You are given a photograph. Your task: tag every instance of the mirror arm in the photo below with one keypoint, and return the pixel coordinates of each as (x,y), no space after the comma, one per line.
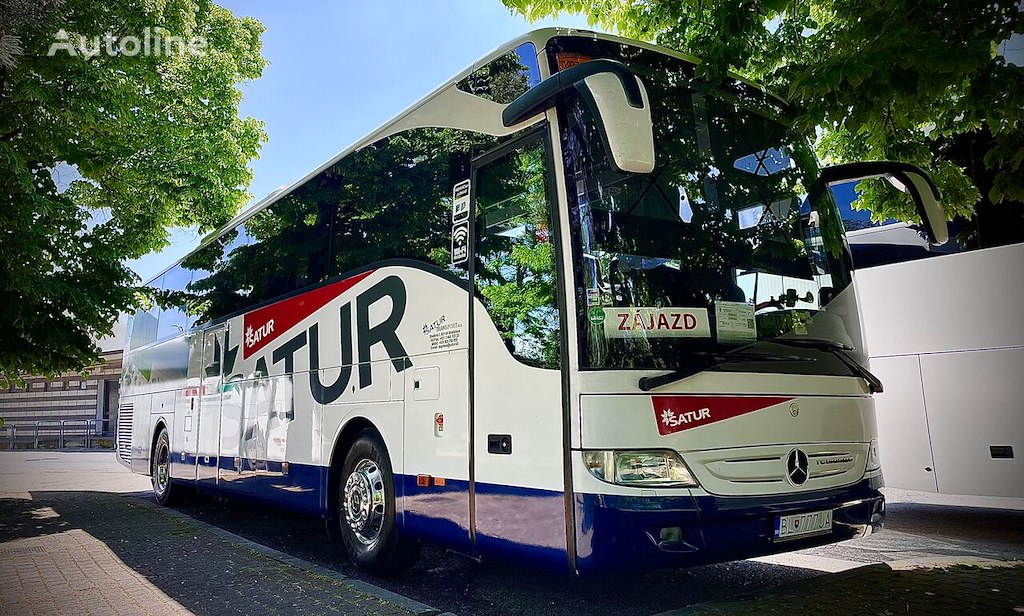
(850,172)
(538,98)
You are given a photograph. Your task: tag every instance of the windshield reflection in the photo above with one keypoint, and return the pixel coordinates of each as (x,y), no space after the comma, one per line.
(718,248)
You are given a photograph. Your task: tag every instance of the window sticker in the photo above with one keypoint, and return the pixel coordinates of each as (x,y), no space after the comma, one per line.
(657,322)
(460,242)
(734,322)
(460,202)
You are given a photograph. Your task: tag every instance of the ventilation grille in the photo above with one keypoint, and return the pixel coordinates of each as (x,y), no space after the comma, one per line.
(753,471)
(125,413)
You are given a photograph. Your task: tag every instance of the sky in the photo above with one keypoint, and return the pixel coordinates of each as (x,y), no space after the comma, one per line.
(339,69)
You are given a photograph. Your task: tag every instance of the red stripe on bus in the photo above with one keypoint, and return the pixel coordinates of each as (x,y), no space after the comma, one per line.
(261,327)
(678,413)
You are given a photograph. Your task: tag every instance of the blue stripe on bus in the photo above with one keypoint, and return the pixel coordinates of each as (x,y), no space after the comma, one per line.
(527,525)
(513,523)
(300,489)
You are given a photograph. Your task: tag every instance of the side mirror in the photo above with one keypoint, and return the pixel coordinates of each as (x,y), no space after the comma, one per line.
(908,178)
(618,100)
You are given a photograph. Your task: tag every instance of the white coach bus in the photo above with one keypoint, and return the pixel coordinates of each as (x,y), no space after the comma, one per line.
(575,308)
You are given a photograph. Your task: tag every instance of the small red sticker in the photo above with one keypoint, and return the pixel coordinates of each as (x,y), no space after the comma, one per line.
(678,413)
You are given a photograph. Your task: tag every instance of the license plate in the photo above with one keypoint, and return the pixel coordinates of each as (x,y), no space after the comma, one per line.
(802,524)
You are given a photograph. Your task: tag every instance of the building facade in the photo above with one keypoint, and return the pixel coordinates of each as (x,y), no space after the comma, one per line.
(72,410)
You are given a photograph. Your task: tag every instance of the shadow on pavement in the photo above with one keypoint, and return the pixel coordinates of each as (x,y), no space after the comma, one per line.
(454,583)
(991,526)
(203,572)
(876,589)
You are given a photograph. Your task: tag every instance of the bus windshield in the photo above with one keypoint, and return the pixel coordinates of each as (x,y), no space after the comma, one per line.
(718,249)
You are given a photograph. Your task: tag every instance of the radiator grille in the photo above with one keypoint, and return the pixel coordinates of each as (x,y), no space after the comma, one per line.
(125,413)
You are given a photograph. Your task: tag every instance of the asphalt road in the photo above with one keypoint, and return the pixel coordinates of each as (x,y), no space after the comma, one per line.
(916,530)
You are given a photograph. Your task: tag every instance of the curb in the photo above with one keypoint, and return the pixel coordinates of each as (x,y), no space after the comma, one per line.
(950,561)
(411,605)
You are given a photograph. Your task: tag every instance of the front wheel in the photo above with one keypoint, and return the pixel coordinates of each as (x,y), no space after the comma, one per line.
(164,491)
(367,509)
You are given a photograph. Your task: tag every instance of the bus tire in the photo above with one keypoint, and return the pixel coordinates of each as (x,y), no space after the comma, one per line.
(366,509)
(165,492)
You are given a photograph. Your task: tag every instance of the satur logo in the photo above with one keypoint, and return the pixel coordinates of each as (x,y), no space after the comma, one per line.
(671,419)
(254,335)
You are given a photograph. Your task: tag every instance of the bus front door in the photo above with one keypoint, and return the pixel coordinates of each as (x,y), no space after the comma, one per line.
(518,485)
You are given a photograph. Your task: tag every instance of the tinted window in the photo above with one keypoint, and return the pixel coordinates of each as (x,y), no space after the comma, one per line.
(291,241)
(173,317)
(393,198)
(515,268)
(143,326)
(221,282)
(503,80)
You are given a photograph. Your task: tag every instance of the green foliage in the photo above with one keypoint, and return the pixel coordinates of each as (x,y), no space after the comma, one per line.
(157,141)
(881,79)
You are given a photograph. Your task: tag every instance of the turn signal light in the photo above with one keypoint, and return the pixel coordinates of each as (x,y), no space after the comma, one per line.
(565,59)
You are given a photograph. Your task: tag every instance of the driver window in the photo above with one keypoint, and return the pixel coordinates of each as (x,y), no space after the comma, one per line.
(515,258)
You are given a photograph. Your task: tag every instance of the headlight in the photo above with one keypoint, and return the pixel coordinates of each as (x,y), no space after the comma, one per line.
(653,468)
(874,462)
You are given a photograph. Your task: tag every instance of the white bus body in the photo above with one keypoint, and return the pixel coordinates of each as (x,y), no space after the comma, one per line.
(946,336)
(316,359)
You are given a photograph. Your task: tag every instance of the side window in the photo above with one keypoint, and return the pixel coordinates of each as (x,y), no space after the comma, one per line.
(505,78)
(290,243)
(142,327)
(515,254)
(393,198)
(173,318)
(221,281)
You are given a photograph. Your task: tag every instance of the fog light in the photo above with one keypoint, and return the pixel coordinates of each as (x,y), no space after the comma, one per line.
(672,534)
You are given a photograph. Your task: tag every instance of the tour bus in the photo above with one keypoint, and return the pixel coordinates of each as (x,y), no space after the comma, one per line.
(936,364)
(576,308)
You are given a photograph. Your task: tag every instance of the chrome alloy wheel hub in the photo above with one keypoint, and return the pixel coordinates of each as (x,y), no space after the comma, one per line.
(364,501)
(162,470)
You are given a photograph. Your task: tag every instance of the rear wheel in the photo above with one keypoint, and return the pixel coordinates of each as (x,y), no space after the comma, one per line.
(164,491)
(366,502)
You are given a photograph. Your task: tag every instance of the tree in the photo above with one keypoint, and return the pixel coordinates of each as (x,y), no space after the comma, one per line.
(142,100)
(913,80)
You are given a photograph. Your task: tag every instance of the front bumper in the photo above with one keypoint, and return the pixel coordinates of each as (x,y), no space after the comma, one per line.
(619,532)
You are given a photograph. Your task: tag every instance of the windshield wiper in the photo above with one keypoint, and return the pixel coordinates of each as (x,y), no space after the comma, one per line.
(839,350)
(709,360)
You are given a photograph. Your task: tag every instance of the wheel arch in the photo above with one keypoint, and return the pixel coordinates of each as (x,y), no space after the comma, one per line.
(346,436)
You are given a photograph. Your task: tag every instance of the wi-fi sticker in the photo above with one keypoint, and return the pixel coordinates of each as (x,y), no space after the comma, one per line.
(460,242)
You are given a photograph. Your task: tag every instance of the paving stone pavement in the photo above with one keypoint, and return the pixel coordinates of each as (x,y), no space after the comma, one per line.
(92,553)
(74,573)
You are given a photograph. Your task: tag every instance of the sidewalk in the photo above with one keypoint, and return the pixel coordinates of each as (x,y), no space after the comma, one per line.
(879,589)
(93,553)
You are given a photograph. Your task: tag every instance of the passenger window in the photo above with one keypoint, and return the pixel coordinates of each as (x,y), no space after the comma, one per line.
(515,255)
(221,283)
(173,319)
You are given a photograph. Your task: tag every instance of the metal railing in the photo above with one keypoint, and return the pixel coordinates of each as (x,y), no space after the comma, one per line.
(62,433)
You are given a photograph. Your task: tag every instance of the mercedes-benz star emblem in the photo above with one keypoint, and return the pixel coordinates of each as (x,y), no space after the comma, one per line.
(796,467)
